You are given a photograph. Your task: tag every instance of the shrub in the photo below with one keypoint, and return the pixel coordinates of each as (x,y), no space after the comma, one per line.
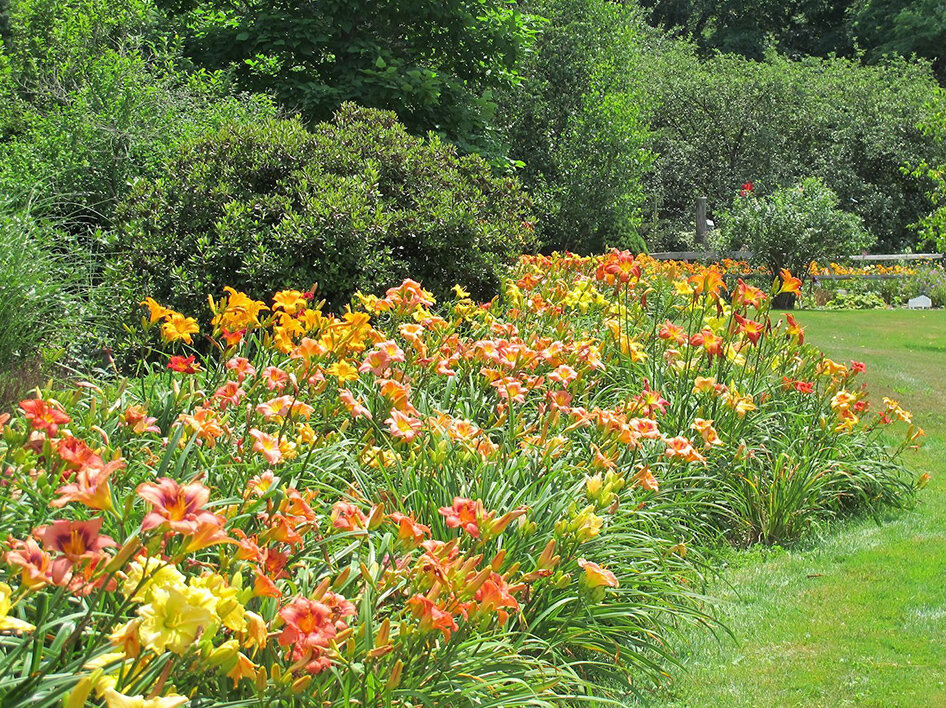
(793,226)
(856,301)
(577,124)
(354,204)
(724,120)
(930,281)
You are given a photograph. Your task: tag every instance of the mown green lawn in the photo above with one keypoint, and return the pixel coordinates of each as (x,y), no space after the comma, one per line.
(858,616)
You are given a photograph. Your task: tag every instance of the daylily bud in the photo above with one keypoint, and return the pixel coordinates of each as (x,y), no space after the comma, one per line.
(301,683)
(341,578)
(225,655)
(395,678)
(376,517)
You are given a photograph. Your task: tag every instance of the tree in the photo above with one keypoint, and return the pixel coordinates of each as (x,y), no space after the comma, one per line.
(933,225)
(749,28)
(577,124)
(435,64)
(914,27)
(724,120)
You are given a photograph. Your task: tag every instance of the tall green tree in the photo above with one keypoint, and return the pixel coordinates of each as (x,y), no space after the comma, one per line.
(436,64)
(726,120)
(796,27)
(577,124)
(903,27)
(933,225)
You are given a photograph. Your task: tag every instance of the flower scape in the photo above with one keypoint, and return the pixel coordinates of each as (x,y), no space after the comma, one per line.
(413,504)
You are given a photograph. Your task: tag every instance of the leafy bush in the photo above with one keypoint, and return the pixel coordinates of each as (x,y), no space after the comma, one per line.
(926,281)
(354,204)
(856,301)
(793,226)
(98,98)
(503,505)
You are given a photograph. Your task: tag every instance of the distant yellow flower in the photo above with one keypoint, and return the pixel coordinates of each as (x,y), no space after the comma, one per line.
(144,574)
(222,600)
(289,301)
(114,699)
(178,327)
(241,312)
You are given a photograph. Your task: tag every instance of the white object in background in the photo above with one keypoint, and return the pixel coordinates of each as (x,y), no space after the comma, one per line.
(920,303)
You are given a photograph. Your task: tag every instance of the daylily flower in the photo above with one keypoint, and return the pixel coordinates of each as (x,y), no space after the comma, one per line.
(242,367)
(77,541)
(790,284)
(596,576)
(410,531)
(267,446)
(403,427)
(681,448)
(354,406)
(465,514)
(174,506)
(7,623)
(90,487)
(114,699)
(347,517)
(432,616)
(183,365)
(156,311)
(34,563)
(44,415)
(137,418)
(177,327)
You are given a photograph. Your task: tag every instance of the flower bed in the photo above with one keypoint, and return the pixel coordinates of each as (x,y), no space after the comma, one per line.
(407,504)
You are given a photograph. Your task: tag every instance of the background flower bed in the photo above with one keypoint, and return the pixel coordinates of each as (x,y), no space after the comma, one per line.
(411,504)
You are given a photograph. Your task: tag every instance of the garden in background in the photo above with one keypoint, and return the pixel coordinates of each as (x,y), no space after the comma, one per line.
(335,370)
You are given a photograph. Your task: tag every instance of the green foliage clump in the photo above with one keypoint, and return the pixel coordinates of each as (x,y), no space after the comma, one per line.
(42,289)
(856,301)
(577,124)
(357,204)
(793,226)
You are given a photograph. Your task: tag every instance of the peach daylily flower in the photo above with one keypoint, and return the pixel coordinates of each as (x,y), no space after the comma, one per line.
(267,446)
(175,506)
(76,540)
(91,487)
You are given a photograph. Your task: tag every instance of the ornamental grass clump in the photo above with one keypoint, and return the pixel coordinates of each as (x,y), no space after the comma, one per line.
(414,504)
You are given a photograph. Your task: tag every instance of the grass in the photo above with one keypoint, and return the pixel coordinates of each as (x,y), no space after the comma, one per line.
(858,615)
